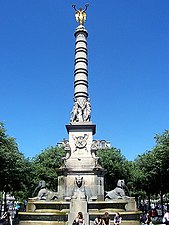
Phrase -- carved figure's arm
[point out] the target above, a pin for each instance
(87, 5)
(74, 6)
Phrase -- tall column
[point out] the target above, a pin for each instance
(81, 64)
(82, 109)
(81, 167)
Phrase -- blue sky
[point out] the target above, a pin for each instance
(128, 48)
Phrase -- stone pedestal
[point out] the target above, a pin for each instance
(131, 204)
(81, 164)
(78, 205)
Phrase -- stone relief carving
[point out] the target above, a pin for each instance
(80, 141)
(81, 110)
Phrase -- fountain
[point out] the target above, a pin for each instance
(81, 182)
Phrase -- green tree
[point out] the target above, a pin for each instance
(151, 168)
(143, 174)
(45, 166)
(161, 155)
(116, 165)
(12, 166)
(28, 182)
(161, 163)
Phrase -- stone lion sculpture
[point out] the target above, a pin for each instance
(118, 192)
(44, 193)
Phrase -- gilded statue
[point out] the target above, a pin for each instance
(80, 14)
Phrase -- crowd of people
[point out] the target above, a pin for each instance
(100, 220)
(105, 220)
(147, 218)
(10, 212)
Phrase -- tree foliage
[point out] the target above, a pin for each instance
(12, 166)
(142, 173)
(45, 166)
(145, 175)
(161, 159)
(150, 170)
(116, 165)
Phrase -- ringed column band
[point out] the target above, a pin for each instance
(81, 64)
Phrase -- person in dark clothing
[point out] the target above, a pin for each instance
(142, 218)
(6, 218)
(79, 220)
(98, 221)
(148, 220)
(106, 219)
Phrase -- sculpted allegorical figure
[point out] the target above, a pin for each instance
(68, 153)
(81, 111)
(74, 113)
(94, 148)
(80, 114)
(87, 111)
(80, 14)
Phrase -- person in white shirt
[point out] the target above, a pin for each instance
(166, 217)
(117, 219)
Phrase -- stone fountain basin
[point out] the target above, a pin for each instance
(43, 218)
(48, 206)
(110, 206)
